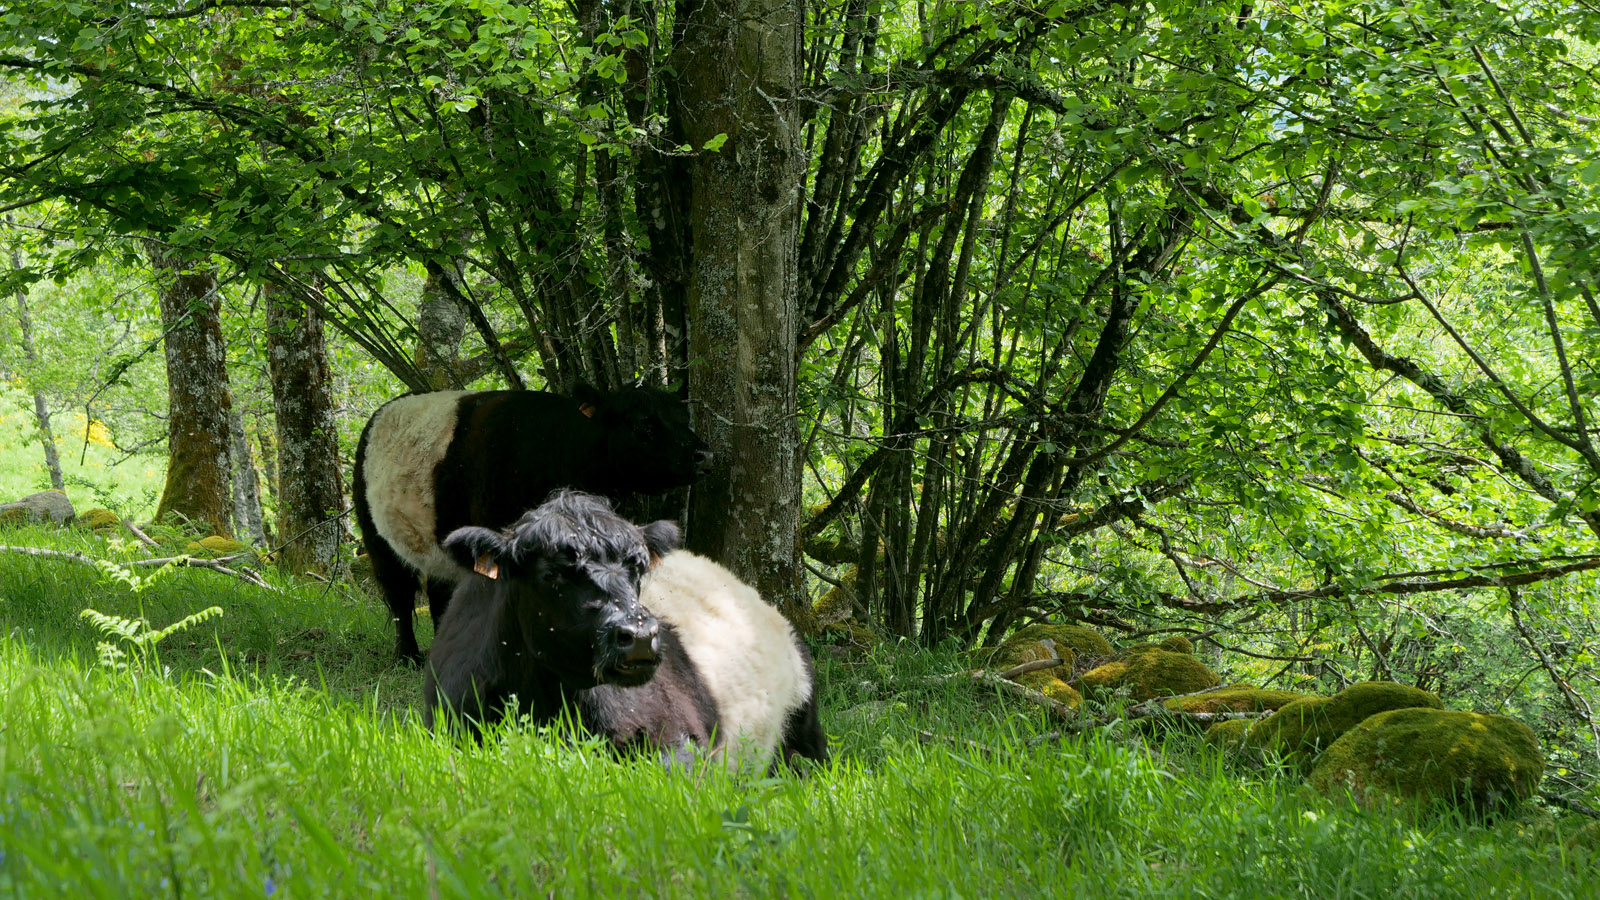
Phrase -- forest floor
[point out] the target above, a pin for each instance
(275, 751)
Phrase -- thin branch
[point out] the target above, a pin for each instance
(215, 565)
(1516, 579)
(1574, 699)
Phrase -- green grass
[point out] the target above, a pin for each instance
(274, 751)
(102, 478)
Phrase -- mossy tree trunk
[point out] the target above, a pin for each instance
(311, 491)
(739, 63)
(198, 470)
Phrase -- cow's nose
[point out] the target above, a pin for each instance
(702, 461)
(639, 643)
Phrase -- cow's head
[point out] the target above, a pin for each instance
(648, 438)
(572, 567)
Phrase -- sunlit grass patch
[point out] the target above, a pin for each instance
(275, 750)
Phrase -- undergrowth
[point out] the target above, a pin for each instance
(275, 751)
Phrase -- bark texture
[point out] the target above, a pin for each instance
(198, 467)
(311, 490)
(739, 65)
(246, 486)
(441, 323)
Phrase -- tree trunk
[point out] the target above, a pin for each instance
(738, 63)
(441, 323)
(198, 467)
(266, 441)
(246, 487)
(41, 409)
(311, 491)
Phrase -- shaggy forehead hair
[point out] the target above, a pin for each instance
(577, 525)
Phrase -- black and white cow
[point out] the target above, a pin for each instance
(557, 618)
(430, 463)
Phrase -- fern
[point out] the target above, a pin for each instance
(140, 639)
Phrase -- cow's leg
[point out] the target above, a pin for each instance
(399, 585)
(439, 591)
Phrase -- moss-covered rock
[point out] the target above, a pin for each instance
(1229, 734)
(1150, 674)
(1133, 649)
(838, 603)
(214, 545)
(1438, 758)
(1178, 644)
(1013, 654)
(98, 519)
(1050, 683)
(1235, 698)
(1302, 729)
(850, 634)
(44, 508)
(1080, 640)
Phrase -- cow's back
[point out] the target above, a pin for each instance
(509, 451)
(744, 649)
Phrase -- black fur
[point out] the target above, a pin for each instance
(540, 631)
(510, 450)
(802, 730)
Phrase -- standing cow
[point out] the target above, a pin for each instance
(562, 613)
(430, 463)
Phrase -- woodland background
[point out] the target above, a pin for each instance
(1270, 325)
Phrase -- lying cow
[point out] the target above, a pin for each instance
(428, 464)
(557, 617)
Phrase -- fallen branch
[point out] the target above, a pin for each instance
(215, 565)
(1555, 799)
(144, 539)
(1055, 707)
(1032, 665)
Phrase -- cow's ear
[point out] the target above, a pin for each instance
(591, 400)
(662, 537)
(476, 548)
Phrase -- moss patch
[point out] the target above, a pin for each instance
(1229, 734)
(1050, 683)
(1080, 640)
(838, 604)
(850, 634)
(1178, 644)
(1152, 673)
(1133, 649)
(1303, 728)
(1439, 758)
(1015, 654)
(1235, 698)
(215, 545)
(98, 520)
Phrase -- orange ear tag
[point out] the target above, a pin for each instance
(486, 567)
(587, 409)
(655, 560)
